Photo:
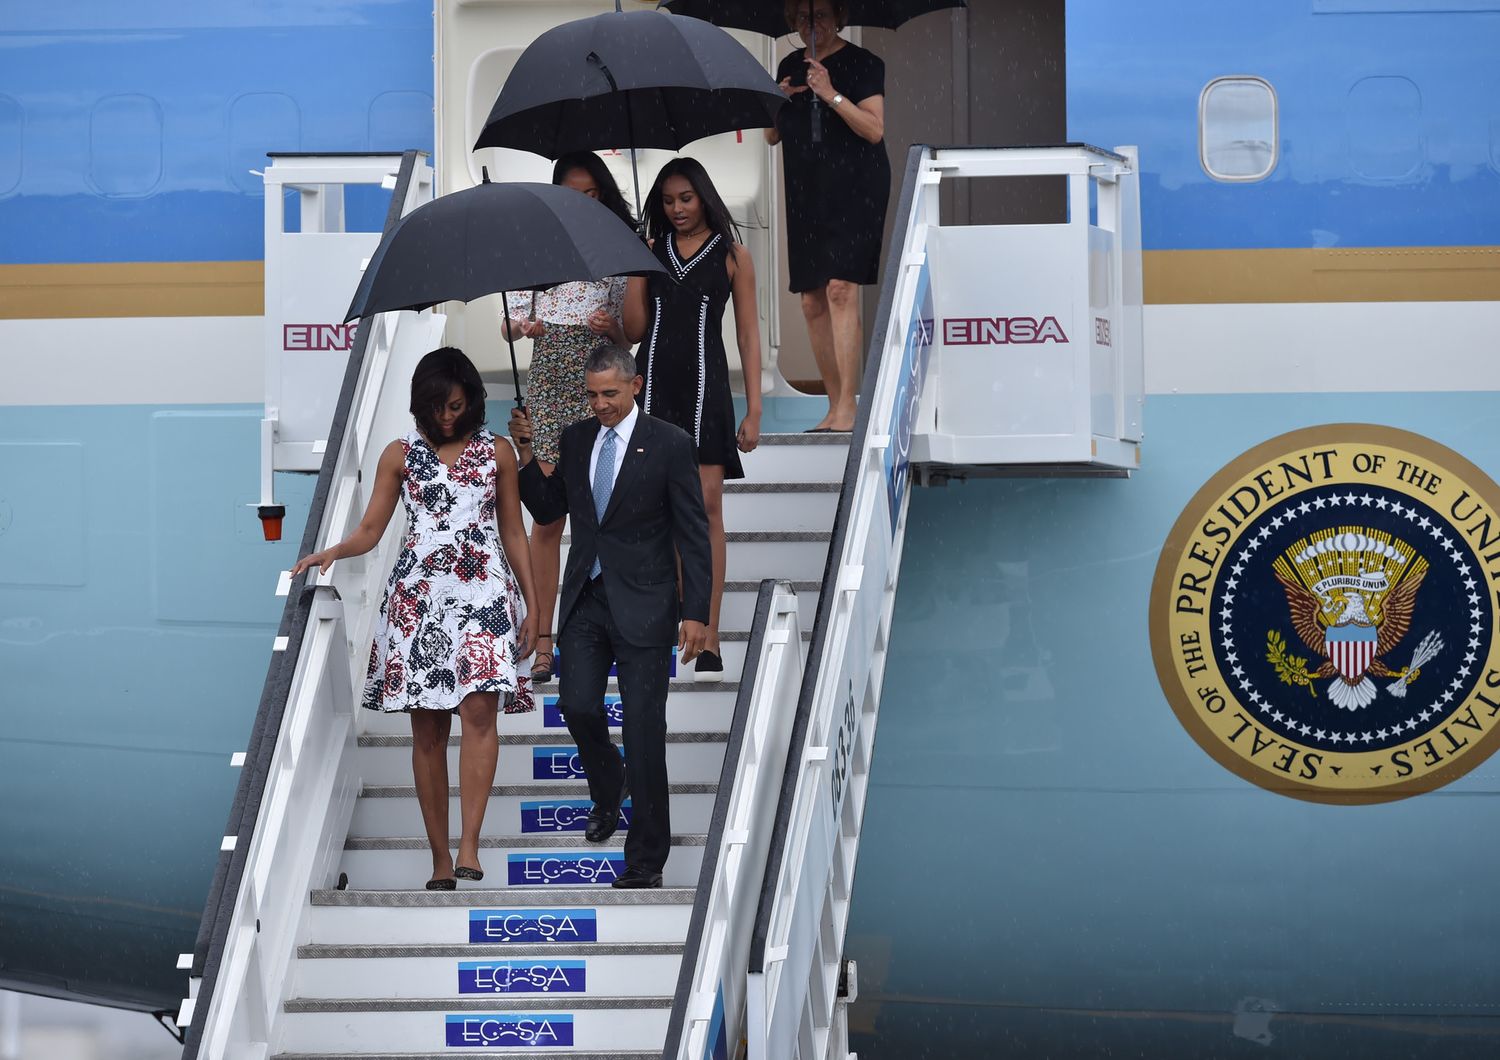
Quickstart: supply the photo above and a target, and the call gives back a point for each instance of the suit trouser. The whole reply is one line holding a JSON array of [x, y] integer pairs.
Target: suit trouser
[[590, 642]]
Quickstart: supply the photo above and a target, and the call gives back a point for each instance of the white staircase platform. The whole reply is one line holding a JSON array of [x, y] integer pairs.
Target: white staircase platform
[[542, 957]]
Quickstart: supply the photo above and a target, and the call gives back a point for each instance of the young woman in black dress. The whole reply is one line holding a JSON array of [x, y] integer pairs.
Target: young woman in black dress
[[677, 318], [837, 187]]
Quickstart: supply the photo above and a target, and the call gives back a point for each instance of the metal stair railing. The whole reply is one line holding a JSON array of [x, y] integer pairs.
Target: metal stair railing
[[707, 1010], [795, 982], [296, 794]]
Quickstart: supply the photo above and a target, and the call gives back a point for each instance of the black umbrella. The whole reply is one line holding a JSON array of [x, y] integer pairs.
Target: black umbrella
[[633, 79], [495, 238], [769, 16]]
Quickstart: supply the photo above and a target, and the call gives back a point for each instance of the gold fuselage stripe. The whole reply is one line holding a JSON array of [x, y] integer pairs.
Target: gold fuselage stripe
[[1172, 277]]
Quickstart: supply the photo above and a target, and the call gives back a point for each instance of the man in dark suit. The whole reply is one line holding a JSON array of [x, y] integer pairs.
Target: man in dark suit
[[630, 485]]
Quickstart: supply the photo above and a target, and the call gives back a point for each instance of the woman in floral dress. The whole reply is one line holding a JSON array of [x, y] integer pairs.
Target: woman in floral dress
[[458, 616], [565, 324]]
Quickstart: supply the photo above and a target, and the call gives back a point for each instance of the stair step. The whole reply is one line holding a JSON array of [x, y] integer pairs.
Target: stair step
[[797, 458], [738, 609], [543, 812], [687, 709], [561, 862], [692, 757], [512, 1054], [520, 918], [609, 1026], [753, 555], [318, 951], [497, 842], [780, 505], [488, 971]]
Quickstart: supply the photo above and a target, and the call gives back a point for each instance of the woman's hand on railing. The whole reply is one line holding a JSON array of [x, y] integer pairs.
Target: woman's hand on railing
[[322, 560]]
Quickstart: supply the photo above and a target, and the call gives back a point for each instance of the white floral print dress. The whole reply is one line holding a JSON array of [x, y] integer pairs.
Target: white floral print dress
[[451, 608]]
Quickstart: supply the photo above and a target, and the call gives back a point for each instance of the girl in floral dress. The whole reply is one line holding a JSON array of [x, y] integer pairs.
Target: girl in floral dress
[[458, 616], [565, 324]]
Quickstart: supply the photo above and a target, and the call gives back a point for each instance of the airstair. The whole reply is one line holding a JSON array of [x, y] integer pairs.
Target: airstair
[[319, 940]]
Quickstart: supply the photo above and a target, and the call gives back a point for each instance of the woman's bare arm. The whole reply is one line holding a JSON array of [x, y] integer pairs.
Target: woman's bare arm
[[376, 518], [747, 332], [637, 315]]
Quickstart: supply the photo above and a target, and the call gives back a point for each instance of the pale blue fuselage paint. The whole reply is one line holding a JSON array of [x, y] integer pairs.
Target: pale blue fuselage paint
[[137, 610], [1050, 865]]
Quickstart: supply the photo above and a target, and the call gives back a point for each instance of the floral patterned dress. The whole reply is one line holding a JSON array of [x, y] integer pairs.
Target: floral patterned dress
[[451, 608]]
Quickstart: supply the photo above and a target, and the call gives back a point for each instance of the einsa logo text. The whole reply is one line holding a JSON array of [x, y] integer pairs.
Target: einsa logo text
[[317, 336], [1001, 331]]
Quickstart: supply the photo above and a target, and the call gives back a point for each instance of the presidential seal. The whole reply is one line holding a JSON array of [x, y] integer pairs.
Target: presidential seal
[[1323, 617]]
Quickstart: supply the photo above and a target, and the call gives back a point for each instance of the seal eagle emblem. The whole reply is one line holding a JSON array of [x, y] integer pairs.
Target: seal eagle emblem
[[1351, 592], [1325, 617]]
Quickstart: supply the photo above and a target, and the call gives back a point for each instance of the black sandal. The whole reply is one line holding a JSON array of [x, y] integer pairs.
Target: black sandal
[[540, 673]]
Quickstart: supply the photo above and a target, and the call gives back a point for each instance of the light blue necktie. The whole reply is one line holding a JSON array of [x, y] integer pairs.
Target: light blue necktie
[[604, 484]]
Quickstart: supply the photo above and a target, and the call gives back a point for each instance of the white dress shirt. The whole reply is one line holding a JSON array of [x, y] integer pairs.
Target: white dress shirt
[[623, 430]]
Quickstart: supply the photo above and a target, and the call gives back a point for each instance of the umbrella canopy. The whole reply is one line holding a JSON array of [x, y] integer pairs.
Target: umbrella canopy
[[629, 79], [494, 238], [769, 16]]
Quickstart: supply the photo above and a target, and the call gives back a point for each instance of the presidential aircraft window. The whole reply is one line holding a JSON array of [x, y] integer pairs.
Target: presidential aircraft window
[[1237, 129]]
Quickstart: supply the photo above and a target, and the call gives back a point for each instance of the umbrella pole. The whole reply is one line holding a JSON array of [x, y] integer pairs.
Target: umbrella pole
[[817, 109], [515, 372], [635, 173], [635, 169]]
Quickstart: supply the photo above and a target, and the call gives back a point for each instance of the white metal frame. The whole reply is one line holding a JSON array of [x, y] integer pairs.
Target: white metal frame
[[717, 995], [311, 787], [1106, 388], [794, 1005]]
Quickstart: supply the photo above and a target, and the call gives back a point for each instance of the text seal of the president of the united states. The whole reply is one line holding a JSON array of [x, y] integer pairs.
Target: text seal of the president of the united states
[[1323, 616]]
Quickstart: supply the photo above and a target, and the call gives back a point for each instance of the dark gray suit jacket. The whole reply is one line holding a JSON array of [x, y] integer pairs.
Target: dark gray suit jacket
[[655, 514]]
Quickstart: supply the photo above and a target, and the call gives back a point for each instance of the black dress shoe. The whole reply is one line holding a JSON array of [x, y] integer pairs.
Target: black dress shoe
[[709, 668], [448, 884], [602, 824], [633, 877]]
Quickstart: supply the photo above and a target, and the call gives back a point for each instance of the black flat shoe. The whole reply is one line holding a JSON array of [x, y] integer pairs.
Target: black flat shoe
[[633, 878], [709, 667], [463, 872], [817, 430], [449, 884], [602, 824]]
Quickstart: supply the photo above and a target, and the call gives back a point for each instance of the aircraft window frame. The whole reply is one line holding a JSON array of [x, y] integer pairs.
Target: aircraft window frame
[[1275, 138]]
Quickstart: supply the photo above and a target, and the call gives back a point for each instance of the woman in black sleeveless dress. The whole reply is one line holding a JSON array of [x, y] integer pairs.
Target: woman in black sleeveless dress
[[678, 320], [837, 186]]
